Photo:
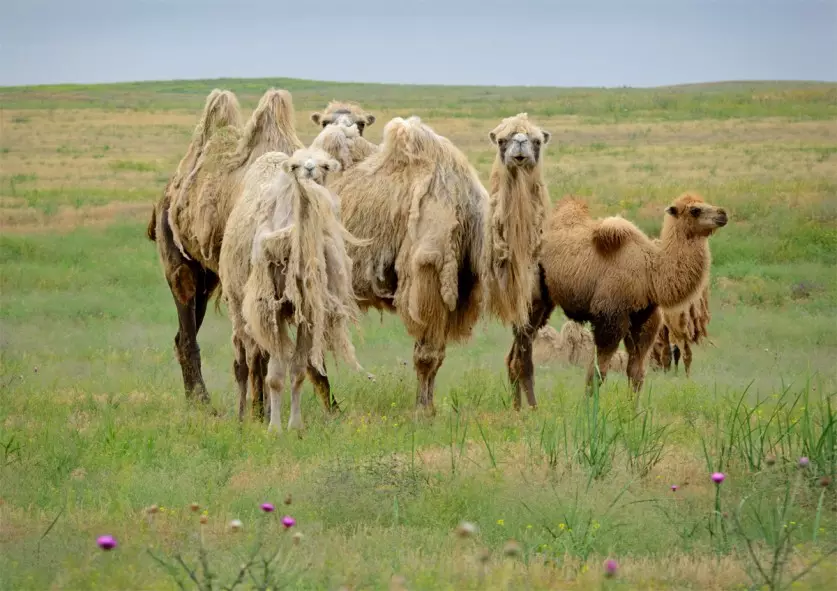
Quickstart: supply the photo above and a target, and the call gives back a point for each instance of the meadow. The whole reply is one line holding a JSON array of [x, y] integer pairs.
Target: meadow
[[96, 436]]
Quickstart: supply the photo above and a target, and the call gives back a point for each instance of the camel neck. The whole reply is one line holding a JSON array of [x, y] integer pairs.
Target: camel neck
[[680, 266]]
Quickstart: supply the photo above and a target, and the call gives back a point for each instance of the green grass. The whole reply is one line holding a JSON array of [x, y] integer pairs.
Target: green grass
[[94, 426]]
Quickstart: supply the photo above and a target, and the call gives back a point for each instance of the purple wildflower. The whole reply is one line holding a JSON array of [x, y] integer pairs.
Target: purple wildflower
[[803, 462], [106, 542], [718, 477], [610, 567], [267, 507], [674, 488], [288, 521]]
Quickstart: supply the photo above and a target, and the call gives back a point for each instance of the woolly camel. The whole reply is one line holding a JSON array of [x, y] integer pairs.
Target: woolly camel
[[189, 220], [284, 265], [607, 272], [344, 144], [519, 199], [421, 204], [572, 345], [681, 328]]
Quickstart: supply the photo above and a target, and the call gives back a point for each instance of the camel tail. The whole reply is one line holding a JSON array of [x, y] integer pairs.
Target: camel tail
[[611, 234], [151, 230]]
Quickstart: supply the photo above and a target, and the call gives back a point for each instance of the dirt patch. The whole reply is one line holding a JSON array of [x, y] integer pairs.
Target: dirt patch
[[28, 220]]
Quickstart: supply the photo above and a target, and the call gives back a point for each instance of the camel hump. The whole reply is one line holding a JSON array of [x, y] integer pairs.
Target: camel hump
[[611, 233]]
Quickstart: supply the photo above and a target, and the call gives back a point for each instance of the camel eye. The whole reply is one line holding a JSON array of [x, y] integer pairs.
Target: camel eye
[[360, 126], [695, 211]]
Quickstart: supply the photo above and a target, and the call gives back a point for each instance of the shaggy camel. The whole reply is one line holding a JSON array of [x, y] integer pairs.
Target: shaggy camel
[[189, 220], [344, 114], [284, 265], [422, 205], [519, 200], [607, 272], [572, 345], [681, 328], [343, 144]]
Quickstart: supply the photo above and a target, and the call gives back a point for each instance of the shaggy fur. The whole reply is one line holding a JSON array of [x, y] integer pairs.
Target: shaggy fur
[[518, 203], [199, 211], [607, 272], [344, 114], [284, 265], [421, 203], [573, 345], [681, 328]]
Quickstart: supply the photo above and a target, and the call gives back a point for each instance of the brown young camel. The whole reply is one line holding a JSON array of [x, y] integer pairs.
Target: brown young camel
[[607, 272], [519, 200], [286, 233], [189, 220], [343, 144]]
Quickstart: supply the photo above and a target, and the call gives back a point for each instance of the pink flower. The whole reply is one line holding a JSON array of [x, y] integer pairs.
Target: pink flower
[[288, 521], [106, 542], [803, 462], [718, 477], [267, 507], [674, 488], [610, 567]]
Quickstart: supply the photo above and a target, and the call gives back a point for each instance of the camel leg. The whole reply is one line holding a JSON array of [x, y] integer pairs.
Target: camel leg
[[188, 284], [607, 333], [299, 365], [521, 369], [675, 350], [322, 388], [427, 359], [257, 362], [241, 374], [639, 341], [275, 385], [687, 357]]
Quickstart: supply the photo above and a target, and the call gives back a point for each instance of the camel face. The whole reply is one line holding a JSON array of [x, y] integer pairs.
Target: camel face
[[519, 142], [697, 217], [344, 115], [311, 165]]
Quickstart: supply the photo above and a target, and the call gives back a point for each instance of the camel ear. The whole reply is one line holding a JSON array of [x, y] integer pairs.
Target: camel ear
[[288, 167], [671, 210], [316, 118], [493, 137], [546, 136], [332, 165], [370, 119]]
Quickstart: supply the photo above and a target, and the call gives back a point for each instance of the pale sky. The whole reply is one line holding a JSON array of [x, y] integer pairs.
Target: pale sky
[[486, 42]]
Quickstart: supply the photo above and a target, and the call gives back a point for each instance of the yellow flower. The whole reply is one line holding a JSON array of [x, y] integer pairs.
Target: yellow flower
[[584, 569], [501, 522], [562, 526], [529, 527]]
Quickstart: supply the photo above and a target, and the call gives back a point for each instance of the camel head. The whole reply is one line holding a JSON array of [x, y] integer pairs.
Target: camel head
[[310, 164], [343, 114], [519, 141], [693, 216]]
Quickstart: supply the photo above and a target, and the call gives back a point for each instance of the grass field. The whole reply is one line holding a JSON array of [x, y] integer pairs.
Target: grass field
[[94, 427]]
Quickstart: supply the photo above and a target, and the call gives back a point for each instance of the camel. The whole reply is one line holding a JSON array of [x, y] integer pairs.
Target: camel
[[341, 143], [681, 328], [188, 222], [572, 345], [518, 203], [422, 206], [609, 273], [284, 265], [344, 114]]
